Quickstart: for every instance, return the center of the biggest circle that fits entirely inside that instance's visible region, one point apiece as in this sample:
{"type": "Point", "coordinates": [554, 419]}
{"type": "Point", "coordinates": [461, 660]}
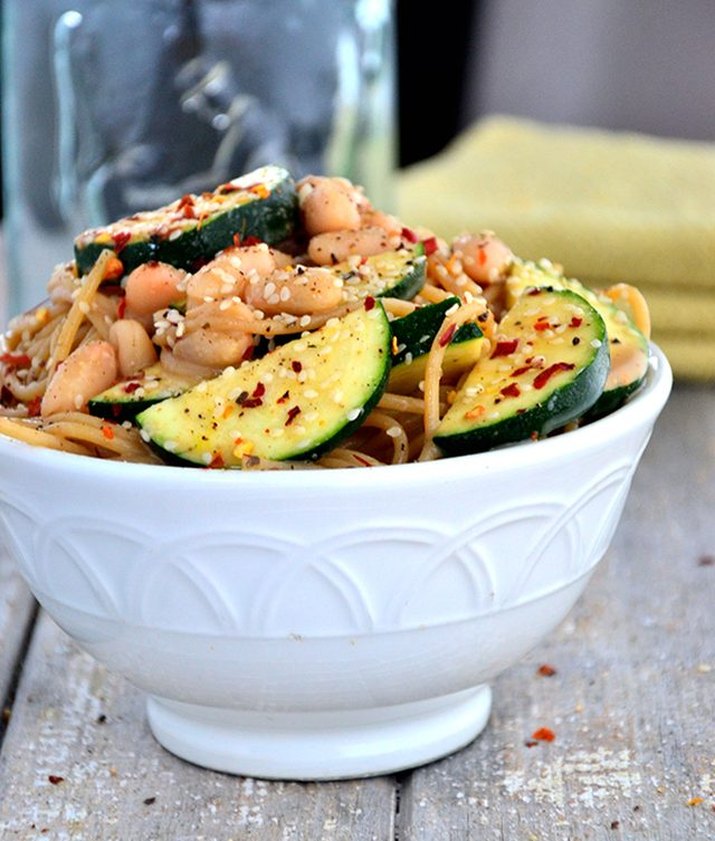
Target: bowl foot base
{"type": "Point", "coordinates": [320, 745]}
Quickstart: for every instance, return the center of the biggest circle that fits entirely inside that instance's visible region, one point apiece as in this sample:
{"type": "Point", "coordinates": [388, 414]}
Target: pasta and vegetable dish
{"type": "Point", "coordinates": [271, 324]}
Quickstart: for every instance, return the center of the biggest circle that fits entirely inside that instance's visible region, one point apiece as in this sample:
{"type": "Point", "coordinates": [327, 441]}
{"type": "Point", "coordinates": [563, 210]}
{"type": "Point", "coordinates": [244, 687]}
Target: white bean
{"type": "Point", "coordinates": [86, 372]}
{"type": "Point", "coordinates": [134, 348]}
{"type": "Point", "coordinates": [334, 247]}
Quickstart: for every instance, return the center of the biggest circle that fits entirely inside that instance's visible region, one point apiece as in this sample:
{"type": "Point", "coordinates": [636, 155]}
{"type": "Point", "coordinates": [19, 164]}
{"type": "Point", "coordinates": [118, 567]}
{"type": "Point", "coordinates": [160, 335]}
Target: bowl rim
{"type": "Point", "coordinates": [641, 409]}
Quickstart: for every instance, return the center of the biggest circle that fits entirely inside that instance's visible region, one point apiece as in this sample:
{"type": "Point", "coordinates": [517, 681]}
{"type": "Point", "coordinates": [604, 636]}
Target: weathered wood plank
{"type": "Point", "coordinates": [16, 610]}
{"type": "Point", "coordinates": [631, 703]}
{"type": "Point", "coordinates": [118, 783]}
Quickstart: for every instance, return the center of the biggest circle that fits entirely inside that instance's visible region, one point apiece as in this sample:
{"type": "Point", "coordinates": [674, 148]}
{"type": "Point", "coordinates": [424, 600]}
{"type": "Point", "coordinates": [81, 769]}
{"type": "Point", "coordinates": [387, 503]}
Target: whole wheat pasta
{"type": "Point", "coordinates": [81, 309]}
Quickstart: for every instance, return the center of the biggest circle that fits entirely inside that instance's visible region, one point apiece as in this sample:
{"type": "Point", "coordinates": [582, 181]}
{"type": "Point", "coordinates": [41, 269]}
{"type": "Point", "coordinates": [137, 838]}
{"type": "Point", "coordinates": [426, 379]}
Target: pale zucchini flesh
{"type": "Point", "coordinates": [547, 367]}
{"type": "Point", "coordinates": [296, 402]}
{"type": "Point", "coordinates": [127, 398]}
{"type": "Point", "coordinates": [191, 230]}
{"type": "Point", "coordinates": [628, 347]}
{"type": "Point", "coordinates": [413, 335]}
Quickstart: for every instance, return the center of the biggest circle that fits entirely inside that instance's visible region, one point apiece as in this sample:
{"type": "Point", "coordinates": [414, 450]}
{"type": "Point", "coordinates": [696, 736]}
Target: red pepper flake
{"type": "Point", "coordinates": [409, 235]}
{"type": "Point", "coordinates": [544, 376]}
{"type": "Point", "coordinates": [296, 366]}
{"type": "Point", "coordinates": [121, 308]}
{"type": "Point", "coordinates": [447, 336]}
{"type": "Point", "coordinates": [187, 200]}
{"type": "Point", "coordinates": [505, 347]}
{"type": "Point", "coordinates": [481, 255]}
{"type": "Point", "coordinates": [284, 397]}
{"type": "Point", "coordinates": [130, 388]}
{"type": "Point", "coordinates": [361, 460]}
{"type": "Point", "coordinates": [120, 240]}
{"type": "Point", "coordinates": [575, 321]}
{"type": "Point", "coordinates": [369, 303]}
{"type": "Point", "coordinates": [107, 431]}
{"type": "Point", "coordinates": [33, 407]}
{"type": "Point", "coordinates": [517, 372]}
{"type": "Point", "coordinates": [245, 242]}
{"type": "Point", "coordinates": [543, 323]}
{"type": "Point", "coordinates": [429, 245]}
{"type": "Point", "coordinates": [511, 390]}
{"type": "Point", "coordinates": [545, 670]}
{"type": "Point", "coordinates": [255, 400]}
{"type": "Point", "coordinates": [216, 461]}
{"type": "Point", "coordinates": [292, 415]}
{"type": "Point", "coordinates": [55, 779]}
{"type": "Point", "coordinates": [544, 734]}
{"type": "Point", "coordinates": [534, 290]}
{"type": "Point", "coordinates": [16, 360]}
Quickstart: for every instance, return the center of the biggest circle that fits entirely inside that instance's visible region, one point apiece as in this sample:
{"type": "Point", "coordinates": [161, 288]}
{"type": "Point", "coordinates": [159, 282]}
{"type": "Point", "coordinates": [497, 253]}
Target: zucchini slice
{"type": "Point", "coordinates": [628, 347]}
{"type": "Point", "coordinates": [262, 204]}
{"type": "Point", "coordinates": [413, 335]}
{"type": "Point", "coordinates": [392, 274]}
{"type": "Point", "coordinates": [547, 367]}
{"type": "Point", "coordinates": [126, 399]}
{"type": "Point", "coordinates": [296, 402]}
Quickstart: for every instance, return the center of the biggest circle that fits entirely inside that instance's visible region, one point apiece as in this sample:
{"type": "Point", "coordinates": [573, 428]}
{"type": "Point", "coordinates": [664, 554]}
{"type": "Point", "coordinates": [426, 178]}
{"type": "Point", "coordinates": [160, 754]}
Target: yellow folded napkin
{"type": "Point", "coordinates": [610, 207]}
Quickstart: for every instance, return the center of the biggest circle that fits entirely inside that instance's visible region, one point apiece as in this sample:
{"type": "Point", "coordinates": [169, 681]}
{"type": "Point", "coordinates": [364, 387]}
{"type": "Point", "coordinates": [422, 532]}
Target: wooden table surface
{"type": "Point", "coordinates": [631, 705]}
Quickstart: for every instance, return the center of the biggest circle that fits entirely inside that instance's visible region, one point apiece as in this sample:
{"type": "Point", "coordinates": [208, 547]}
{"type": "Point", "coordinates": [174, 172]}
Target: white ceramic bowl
{"type": "Point", "coordinates": [322, 624]}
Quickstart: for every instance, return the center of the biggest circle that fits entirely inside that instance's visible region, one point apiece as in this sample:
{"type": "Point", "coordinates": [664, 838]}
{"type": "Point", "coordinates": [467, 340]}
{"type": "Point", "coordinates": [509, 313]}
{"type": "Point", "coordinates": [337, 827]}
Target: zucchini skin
{"type": "Point", "coordinates": [559, 403]}
{"type": "Point", "coordinates": [271, 218]}
{"type": "Point", "coordinates": [394, 274]}
{"type": "Point", "coordinates": [413, 335]}
{"type": "Point", "coordinates": [125, 400]}
{"type": "Point", "coordinates": [620, 329]}
{"type": "Point", "coordinates": [257, 410]}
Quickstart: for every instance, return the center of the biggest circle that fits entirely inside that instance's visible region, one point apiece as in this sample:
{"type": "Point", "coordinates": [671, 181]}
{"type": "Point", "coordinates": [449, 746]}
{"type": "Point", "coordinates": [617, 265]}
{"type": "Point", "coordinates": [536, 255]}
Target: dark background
{"type": "Point", "coordinates": [433, 63]}
{"type": "Point", "coordinates": [638, 65]}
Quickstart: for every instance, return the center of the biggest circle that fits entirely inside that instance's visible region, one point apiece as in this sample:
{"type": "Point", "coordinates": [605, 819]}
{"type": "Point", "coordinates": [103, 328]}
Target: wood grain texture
{"type": "Point", "coordinates": [16, 611]}
{"type": "Point", "coordinates": [632, 699]}
{"type": "Point", "coordinates": [73, 720]}
{"type": "Point", "coordinates": [630, 704]}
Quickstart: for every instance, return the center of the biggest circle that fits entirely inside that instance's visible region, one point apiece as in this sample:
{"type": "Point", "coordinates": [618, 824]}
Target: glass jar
{"type": "Point", "coordinates": [113, 107]}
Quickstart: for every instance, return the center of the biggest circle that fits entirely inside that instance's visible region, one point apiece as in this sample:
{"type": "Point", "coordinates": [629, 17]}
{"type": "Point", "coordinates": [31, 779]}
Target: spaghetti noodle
{"type": "Point", "coordinates": [76, 319]}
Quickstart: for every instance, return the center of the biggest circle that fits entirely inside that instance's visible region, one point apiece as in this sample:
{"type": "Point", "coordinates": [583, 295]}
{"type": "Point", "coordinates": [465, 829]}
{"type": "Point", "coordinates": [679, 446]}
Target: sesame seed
{"type": "Point", "coordinates": [354, 414]}
{"type": "Point", "coordinates": [393, 431]}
